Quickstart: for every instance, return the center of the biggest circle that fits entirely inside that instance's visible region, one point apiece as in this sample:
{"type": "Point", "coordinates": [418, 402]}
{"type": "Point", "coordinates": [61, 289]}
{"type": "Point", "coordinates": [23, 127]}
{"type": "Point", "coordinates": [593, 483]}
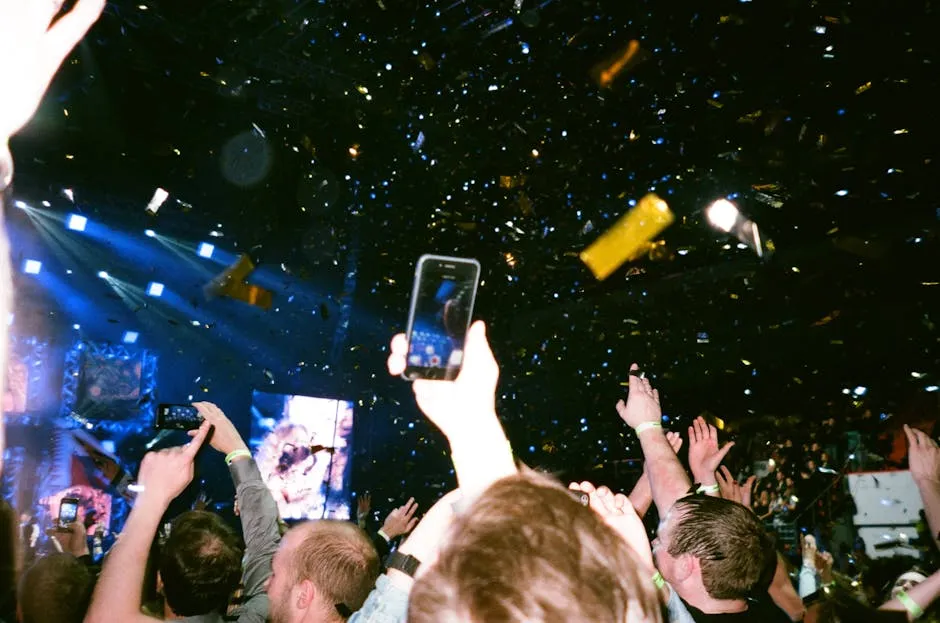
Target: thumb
{"type": "Point", "coordinates": [724, 451]}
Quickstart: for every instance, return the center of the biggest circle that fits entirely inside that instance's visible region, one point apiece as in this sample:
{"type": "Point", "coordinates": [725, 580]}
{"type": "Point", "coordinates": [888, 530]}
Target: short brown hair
{"type": "Point", "coordinates": [737, 556]}
{"type": "Point", "coordinates": [339, 559]}
{"type": "Point", "coordinates": [528, 551]}
{"type": "Point", "coordinates": [56, 589]}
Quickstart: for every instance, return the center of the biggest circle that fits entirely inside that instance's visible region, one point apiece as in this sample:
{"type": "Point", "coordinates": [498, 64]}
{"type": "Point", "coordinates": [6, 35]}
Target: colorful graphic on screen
{"type": "Point", "coordinates": [440, 322]}
{"type": "Point", "coordinates": [303, 447]}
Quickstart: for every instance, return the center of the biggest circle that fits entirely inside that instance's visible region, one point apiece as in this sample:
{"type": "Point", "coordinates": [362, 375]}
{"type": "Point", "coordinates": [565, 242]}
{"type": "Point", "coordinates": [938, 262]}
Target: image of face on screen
{"type": "Point", "coordinates": [303, 456]}
{"type": "Point", "coordinates": [440, 322]}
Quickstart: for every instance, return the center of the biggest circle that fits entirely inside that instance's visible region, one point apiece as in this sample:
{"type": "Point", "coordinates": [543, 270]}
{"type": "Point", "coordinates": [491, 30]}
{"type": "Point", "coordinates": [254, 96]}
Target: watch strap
{"type": "Point", "coordinates": [403, 562]}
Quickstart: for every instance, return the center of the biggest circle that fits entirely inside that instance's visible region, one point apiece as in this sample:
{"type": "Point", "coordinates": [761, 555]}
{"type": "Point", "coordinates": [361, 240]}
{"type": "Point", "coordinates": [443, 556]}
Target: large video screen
{"type": "Point", "coordinates": [303, 447]}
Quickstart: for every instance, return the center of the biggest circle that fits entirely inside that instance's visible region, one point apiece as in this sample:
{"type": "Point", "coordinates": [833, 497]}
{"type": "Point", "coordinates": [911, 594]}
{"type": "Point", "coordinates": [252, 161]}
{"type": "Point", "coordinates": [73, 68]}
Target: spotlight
{"type": "Point", "coordinates": [722, 214]}
{"type": "Point", "coordinates": [130, 337]}
{"type": "Point", "coordinates": [159, 196]}
{"type": "Point", "coordinates": [150, 233]}
{"type": "Point", "coordinates": [725, 216]}
{"type": "Point", "coordinates": [155, 289]}
{"type": "Point", "coordinates": [32, 267]}
{"type": "Point", "coordinates": [102, 274]}
{"type": "Point", "coordinates": [76, 222]}
{"type": "Point", "coordinates": [206, 250]}
{"type": "Point", "coordinates": [77, 327]}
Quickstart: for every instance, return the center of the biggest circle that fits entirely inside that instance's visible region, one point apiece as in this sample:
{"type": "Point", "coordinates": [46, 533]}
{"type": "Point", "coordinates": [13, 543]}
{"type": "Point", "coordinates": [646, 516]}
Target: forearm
{"type": "Point", "coordinates": [930, 494]}
{"type": "Point", "coordinates": [924, 594]}
{"type": "Point", "coordinates": [642, 495]}
{"type": "Point", "coordinates": [481, 456]}
{"type": "Point", "coordinates": [668, 479]}
{"type": "Point", "coordinates": [117, 596]}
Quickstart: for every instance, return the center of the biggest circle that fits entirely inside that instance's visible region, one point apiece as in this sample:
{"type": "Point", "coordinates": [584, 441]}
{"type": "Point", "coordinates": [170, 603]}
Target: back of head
{"type": "Point", "coordinates": [56, 589]}
{"type": "Point", "coordinates": [338, 558]}
{"type": "Point", "coordinates": [736, 554]}
{"type": "Point", "coordinates": [526, 550]}
{"type": "Point", "coordinates": [201, 564]}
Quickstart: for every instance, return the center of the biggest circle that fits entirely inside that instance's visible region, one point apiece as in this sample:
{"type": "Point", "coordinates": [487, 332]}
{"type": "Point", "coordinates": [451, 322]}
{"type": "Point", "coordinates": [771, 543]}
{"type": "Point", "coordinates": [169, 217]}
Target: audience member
{"type": "Point", "coordinates": [56, 589]}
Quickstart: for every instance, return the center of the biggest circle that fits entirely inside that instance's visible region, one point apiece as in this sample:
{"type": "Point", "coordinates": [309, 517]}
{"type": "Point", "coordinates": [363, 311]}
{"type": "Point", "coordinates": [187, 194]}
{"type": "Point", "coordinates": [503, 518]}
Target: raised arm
{"type": "Point", "coordinates": [917, 599]}
{"type": "Point", "coordinates": [31, 50]}
{"type": "Point", "coordinates": [704, 454]}
{"type": "Point", "coordinates": [642, 413]}
{"type": "Point", "coordinates": [163, 476]}
{"type": "Point", "coordinates": [641, 497]}
{"type": "Point", "coordinates": [923, 456]}
{"type": "Point", "coordinates": [257, 511]}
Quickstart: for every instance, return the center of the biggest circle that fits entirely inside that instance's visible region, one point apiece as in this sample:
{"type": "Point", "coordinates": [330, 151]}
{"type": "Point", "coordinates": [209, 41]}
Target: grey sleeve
{"type": "Point", "coordinates": [676, 609]}
{"type": "Point", "coordinates": [259, 526]}
{"type": "Point", "coordinates": [386, 604]}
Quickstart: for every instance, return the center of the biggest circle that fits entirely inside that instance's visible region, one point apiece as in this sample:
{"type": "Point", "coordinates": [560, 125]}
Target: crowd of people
{"type": "Point", "coordinates": [508, 544]}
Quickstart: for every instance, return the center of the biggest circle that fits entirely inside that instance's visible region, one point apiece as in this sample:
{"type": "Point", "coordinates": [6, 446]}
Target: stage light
{"type": "Point", "coordinates": [76, 326]}
{"type": "Point", "coordinates": [159, 196]}
{"type": "Point", "coordinates": [150, 233]}
{"type": "Point", "coordinates": [130, 337]}
{"type": "Point", "coordinates": [155, 289]}
{"type": "Point", "coordinates": [102, 274]}
{"type": "Point", "coordinates": [76, 222]}
{"type": "Point", "coordinates": [722, 214]}
{"type": "Point", "coordinates": [32, 267]}
{"type": "Point", "coordinates": [206, 250]}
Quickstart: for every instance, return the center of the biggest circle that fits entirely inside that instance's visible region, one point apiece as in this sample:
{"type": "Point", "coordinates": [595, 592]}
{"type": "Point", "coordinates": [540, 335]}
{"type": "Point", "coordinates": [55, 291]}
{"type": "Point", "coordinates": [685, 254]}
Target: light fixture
{"type": "Point", "coordinates": [32, 267]}
{"type": "Point", "coordinates": [722, 214]}
{"type": "Point", "coordinates": [103, 275]}
{"type": "Point", "coordinates": [130, 337]}
{"type": "Point", "coordinates": [206, 250]}
{"type": "Point", "coordinates": [150, 233]}
{"type": "Point", "coordinates": [76, 222]}
{"type": "Point", "coordinates": [155, 289]}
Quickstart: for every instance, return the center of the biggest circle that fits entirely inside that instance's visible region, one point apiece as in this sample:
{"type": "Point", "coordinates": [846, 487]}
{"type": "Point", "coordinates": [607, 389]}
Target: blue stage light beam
{"type": "Point", "coordinates": [130, 337]}
{"type": "Point", "coordinates": [76, 222]}
{"type": "Point", "coordinates": [155, 289]}
{"type": "Point", "coordinates": [103, 274]}
{"type": "Point", "coordinates": [32, 267]}
{"type": "Point", "coordinates": [206, 250]}
{"type": "Point", "coordinates": [150, 233]}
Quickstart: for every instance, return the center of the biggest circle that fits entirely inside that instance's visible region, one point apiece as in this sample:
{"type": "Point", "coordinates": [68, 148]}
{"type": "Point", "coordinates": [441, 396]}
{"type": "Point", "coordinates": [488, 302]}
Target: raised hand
{"type": "Point", "coordinates": [619, 514]}
{"type": "Point", "coordinates": [731, 490]}
{"type": "Point", "coordinates": [165, 474]}
{"type": "Point", "coordinates": [704, 454]}
{"type": "Point", "coordinates": [642, 403]}
{"type": "Point", "coordinates": [401, 521]}
{"type": "Point", "coordinates": [460, 406]}
{"type": "Point", "coordinates": [31, 50]}
{"type": "Point", "coordinates": [923, 455]}
{"type": "Point", "coordinates": [364, 505]}
{"type": "Point", "coordinates": [225, 437]}
{"type": "Point", "coordinates": [808, 545]}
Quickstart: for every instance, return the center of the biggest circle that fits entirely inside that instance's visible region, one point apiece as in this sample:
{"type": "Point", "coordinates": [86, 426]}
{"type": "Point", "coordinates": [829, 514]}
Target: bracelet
{"type": "Point", "coordinates": [706, 489]}
{"type": "Point", "coordinates": [234, 454]}
{"type": "Point", "coordinates": [387, 538]}
{"type": "Point", "coordinates": [911, 605]}
{"type": "Point", "coordinates": [658, 580]}
{"type": "Point", "coordinates": [642, 426]}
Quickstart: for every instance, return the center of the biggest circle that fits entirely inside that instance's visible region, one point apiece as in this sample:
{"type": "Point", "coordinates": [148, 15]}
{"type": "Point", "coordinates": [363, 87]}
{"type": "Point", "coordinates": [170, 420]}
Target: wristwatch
{"type": "Point", "coordinates": [403, 562]}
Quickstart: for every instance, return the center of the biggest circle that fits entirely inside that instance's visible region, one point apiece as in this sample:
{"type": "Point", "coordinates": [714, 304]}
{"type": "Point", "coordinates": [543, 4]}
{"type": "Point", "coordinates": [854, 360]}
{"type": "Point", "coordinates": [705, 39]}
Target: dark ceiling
{"type": "Point", "coordinates": [818, 117]}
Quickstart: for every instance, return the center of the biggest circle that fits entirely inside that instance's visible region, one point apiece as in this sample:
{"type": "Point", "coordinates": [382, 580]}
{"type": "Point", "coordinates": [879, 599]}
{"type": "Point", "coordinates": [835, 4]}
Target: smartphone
{"type": "Point", "coordinates": [68, 512]}
{"type": "Point", "coordinates": [177, 417]}
{"type": "Point", "coordinates": [441, 308]}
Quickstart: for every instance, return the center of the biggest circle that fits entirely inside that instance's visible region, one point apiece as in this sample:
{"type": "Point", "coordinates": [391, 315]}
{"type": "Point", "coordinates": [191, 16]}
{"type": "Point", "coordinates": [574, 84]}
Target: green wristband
{"type": "Point", "coordinates": [911, 605]}
{"type": "Point", "coordinates": [234, 454]}
{"type": "Point", "coordinates": [659, 580]}
{"type": "Point", "coordinates": [642, 426]}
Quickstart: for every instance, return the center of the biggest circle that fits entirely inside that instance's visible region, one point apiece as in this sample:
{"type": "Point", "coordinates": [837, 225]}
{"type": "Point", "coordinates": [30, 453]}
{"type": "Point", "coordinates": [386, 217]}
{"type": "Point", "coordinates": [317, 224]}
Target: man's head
{"type": "Point", "coordinates": [716, 544]}
{"type": "Point", "coordinates": [201, 564]}
{"type": "Point", "coordinates": [526, 550]}
{"type": "Point", "coordinates": [322, 571]}
{"type": "Point", "coordinates": [56, 589]}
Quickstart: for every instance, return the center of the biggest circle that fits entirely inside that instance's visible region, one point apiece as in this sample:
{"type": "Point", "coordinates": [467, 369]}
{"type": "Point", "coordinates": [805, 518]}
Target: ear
{"type": "Point", "coordinates": [306, 594]}
{"type": "Point", "coordinates": [686, 566]}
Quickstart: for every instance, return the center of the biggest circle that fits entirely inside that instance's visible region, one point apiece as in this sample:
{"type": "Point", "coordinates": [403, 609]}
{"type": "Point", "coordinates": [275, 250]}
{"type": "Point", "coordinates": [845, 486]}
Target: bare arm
{"type": "Point", "coordinates": [924, 461]}
{"type": "Point", "coordinates": [668, 479]}
{"type": "Point", "coordinates": [642, 495]}
{"type": "Point", "coordinates": [924, 594]}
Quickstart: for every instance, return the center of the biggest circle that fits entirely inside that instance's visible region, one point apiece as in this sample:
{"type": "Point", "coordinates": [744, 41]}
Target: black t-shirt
{"type": "Point", "coordinates": [762, 611]}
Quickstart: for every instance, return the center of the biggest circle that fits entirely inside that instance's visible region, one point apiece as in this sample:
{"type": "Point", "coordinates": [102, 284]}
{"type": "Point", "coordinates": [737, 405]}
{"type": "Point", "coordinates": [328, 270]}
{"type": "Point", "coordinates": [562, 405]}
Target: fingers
{"type": "Point", "coordinates": [724, 451]}
{"type": "Point", "coordinates": [749, 483]}
{"type": "Point", "coordinates": [724, 476]}
{"type": "Point", "coordinates": [656, 395]}
{"type": "Point", "coordinates": [397, 358]}
{"type": "Point", "coordinates": [477, 347]}
{"type": "Point", "coordinates": [411, 525]}
{"type": "Point", "coordinates": [408, 510]}
{"type": "Point", "coordinates": [193, 446]}
{"type": "Point", "coordinates": [69, 30]}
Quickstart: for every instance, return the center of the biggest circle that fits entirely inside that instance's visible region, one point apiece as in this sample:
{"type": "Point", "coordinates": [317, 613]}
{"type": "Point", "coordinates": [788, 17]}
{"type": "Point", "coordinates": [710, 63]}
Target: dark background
{"type": "Point", "coordinates": [734, 99]}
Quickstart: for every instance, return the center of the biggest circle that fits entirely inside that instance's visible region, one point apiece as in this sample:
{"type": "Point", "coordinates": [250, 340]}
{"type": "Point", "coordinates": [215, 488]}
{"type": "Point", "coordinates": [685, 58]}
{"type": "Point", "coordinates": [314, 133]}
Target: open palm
{"type": "Point", "coordinates": [704, 453]}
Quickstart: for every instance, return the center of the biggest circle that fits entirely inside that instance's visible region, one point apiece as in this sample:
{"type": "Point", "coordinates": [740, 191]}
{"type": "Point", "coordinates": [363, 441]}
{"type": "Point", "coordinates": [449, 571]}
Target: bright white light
{"type": "Point", "coordinates": [76, 222]}
{"type": "Point", "coordinates": [159, 196]}
{"type": "Point", "coordinates": [130, 337]}
{"type": "Point", "coordinates": [32, 267]}
{"type": "Point", "coordinates": [76, 326]}
{"type": "Point", "coordinates": [150, 233]}
{"type": "Point", "coordinates": [931, 388]}
{"type": "Point", "coordinates": [21, 204]}
{"type": "Point", "coordinates": [104, 275]}
{"type": "Point", "coordinates": [722, 214]}
{"type": "Point", "coordinates": [861, 391]}
{"type": "Point", "coordinates": [206, 250]}
{"type": "Point", "coordinates": [155, 289]}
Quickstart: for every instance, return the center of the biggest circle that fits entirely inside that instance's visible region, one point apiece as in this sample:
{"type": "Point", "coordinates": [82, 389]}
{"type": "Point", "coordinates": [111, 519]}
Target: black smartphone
{"type": "Point", "coordinates": [68, 512]}
{"type": "Point", "coordinates": [177, 417]}
{"type": "Point", "coordinates": [441, 308]}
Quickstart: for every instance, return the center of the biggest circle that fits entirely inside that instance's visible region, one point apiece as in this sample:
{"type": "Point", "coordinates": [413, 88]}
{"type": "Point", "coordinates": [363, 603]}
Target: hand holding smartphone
{"type": "Point", "coordinates": [68, 513]}
{"type": "Point", "coordinates": [442, 301]}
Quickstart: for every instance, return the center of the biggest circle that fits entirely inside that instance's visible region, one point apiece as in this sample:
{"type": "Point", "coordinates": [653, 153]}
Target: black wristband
{"type": "Point", "coordinates": [403, 562]}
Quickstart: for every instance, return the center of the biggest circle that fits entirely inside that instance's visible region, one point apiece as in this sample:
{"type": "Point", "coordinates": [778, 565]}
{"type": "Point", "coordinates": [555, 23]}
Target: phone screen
{"type": "Point", "coordinates": [68, 511]}
{"type": "Point", "coordinates": [178, 417]}
{"type": "Point", "coordinates": [441, 308]}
